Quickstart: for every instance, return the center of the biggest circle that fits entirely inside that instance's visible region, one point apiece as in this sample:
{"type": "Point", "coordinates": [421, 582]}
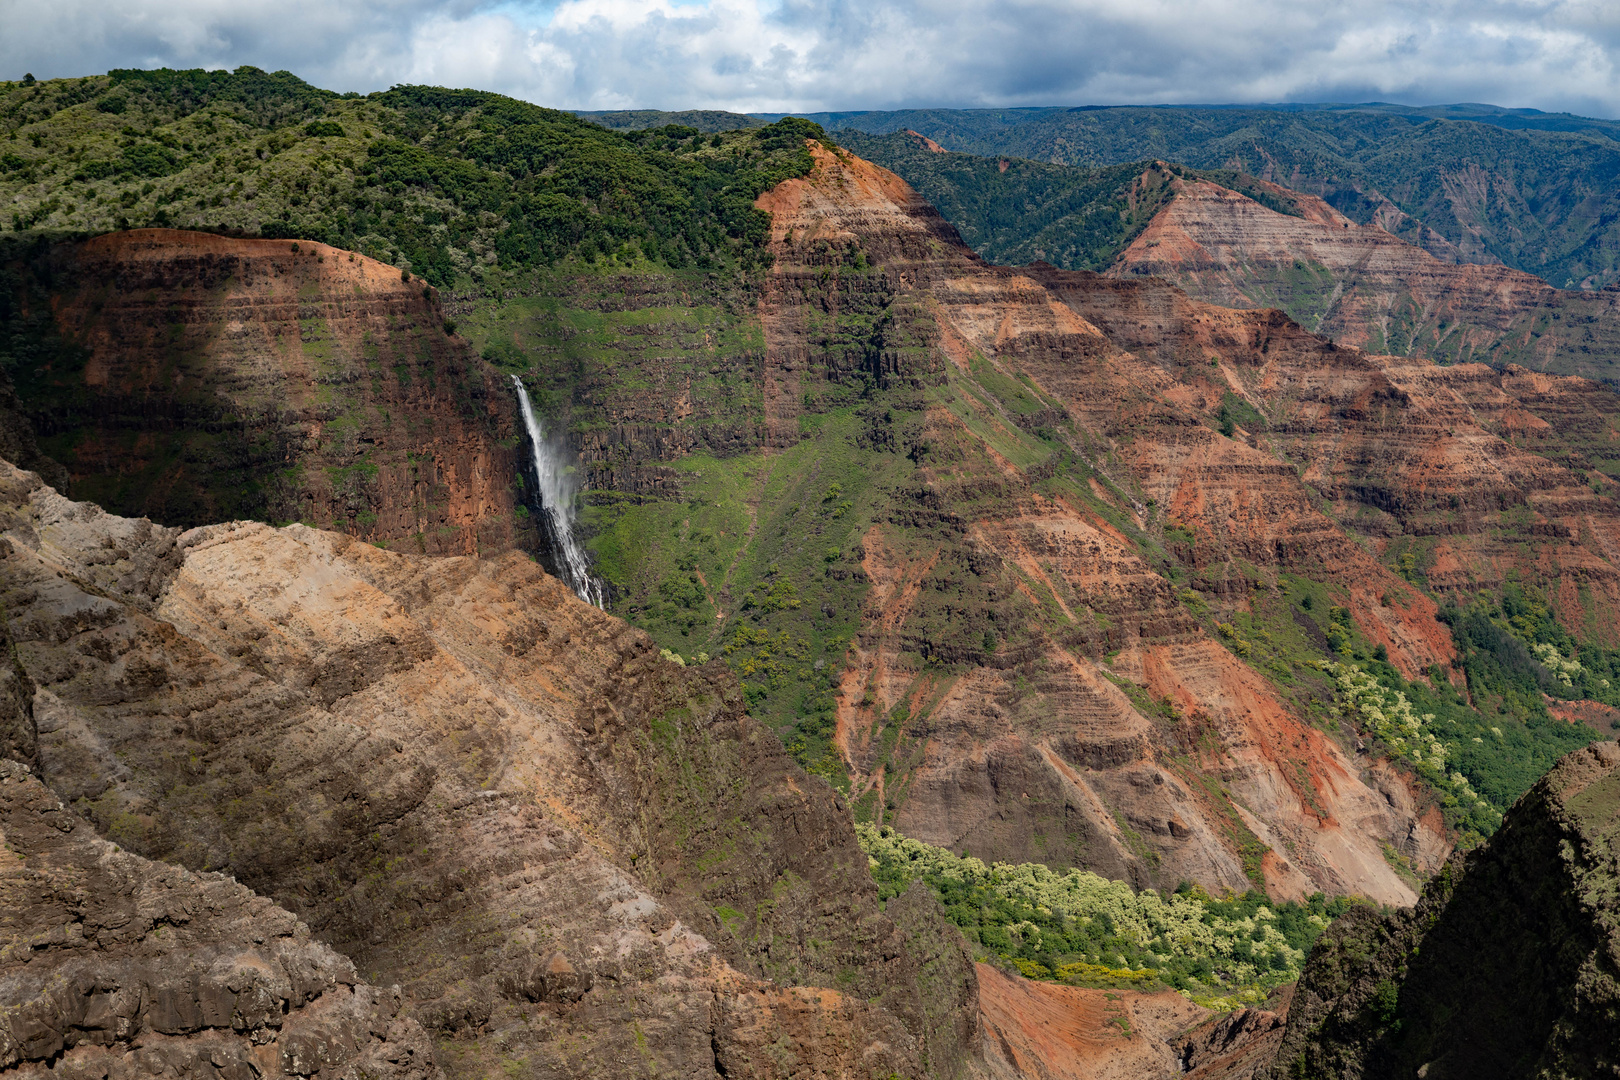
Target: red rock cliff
{"type": "Point", "coordinates": [213, 378]}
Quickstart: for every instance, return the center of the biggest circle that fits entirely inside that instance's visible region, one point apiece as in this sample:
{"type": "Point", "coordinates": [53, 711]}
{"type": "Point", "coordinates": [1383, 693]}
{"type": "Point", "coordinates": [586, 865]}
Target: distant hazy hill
{"type": "Point", "coordinates": [1537, 191]}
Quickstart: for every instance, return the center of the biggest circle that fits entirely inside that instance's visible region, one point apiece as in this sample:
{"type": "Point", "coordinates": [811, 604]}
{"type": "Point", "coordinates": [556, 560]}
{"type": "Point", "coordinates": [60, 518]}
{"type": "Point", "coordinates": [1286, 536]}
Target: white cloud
{"type": "Point", "coordinates": [804, 55]}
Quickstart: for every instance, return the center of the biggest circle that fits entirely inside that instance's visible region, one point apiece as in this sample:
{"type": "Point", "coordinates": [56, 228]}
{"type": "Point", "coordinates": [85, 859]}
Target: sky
{"type": "Point", "coordinates": [800, 56]}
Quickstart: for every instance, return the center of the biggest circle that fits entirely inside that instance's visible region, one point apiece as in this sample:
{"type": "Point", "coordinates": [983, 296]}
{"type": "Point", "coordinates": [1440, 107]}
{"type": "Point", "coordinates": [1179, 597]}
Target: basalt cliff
{"type": "Point", "coordinates": [1360, 285]}
{"type": "Point", "coordinates": [195, 378]}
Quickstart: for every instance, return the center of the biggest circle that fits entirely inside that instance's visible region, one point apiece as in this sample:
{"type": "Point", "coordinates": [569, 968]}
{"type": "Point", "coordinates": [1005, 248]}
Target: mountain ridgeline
{"type": "Point", "coordinates": [1469, 183]}
{"type": "Point", "coordinates": [1209, 625]}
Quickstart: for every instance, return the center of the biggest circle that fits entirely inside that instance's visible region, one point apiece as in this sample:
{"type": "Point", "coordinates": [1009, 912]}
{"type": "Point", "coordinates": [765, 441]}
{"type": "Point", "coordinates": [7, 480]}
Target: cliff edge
{"type": "Point", "coordinates": [1509, 965]}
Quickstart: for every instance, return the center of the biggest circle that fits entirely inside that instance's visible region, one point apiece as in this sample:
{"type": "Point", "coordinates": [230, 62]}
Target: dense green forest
{"type": "Point", "coordinates": [447, 183]}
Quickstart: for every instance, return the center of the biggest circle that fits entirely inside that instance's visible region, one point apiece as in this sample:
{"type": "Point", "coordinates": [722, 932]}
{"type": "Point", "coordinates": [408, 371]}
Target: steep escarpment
{"type": "Point", "coordinates": [1477, 476]}
{"type": "Point", "coordinates": [115, 966]}
{"type": "Point", "coordinates": [193, 378]}
{"type": "Point", "coordinates": [928, 584]}
{"type": "Point", "coordinates": [1506, 967]}
{"type": "Point", "coordinates": [575, 856]}
{"type": "Point", "coordinates": [1362, 286]}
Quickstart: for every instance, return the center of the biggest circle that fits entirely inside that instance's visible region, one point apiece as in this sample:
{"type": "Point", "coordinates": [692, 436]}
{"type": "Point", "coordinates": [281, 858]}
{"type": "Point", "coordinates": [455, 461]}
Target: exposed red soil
{"type": "Point", "coordinates": [1045, 1031]}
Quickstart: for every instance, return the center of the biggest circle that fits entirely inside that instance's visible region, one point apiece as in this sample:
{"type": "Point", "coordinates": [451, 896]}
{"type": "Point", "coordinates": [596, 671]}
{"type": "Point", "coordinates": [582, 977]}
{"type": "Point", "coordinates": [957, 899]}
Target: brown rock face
{"type": "Point", "coordinates": [1053, 744]}
{"type": "Point", "coordinates": [208, 378]}
{"type": "Point", "coordinates": [1043, 1031]}
{"type": "Point", "coordinates": [115, 966]}
{"type": "Point", "coordinates": [1361, 286]}
{"type": "Point", "coordinates": [1507, 966]}
{"type": "Point", "coordinates": [577, 858]}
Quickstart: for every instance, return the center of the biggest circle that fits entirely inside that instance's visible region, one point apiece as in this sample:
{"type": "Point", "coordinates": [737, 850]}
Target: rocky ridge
{"type": "Point", "coordinates": [115, 966]}
{"type": "Point", "coordinates": [575, 857]}
{"type": "Point", "coordinates": [1506, 967]}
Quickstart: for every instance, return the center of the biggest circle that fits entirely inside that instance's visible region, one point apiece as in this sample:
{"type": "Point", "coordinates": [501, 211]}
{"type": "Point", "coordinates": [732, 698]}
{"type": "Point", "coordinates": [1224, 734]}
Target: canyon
{"type": "Point", "coordinates": [1036, 565]}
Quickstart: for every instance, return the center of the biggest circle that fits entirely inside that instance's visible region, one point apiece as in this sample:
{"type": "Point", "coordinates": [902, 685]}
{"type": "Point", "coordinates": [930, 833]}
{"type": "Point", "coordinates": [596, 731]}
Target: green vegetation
{"type": "Point", "coordinates": [1081, 929]}
{"type": "Point", "coordinates": [446, 183]}
{"type": "Point", "coordinates": [1547, 185]}
{"type": "Point", "coordinates": [1481, 749]}
{"type": "Point", "coordinates": [1017, 212]}
{"type": "Point", "coordinates": [1477, 748]}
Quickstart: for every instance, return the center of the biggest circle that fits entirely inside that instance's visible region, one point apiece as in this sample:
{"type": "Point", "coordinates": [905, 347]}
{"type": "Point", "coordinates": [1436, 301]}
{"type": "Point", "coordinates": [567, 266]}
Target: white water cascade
{"type": "Point", "coordinates": [559, 483]}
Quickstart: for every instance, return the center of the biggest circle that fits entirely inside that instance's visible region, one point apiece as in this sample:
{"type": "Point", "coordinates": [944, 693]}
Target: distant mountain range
{"type": "Point", "coordinates": [1536, 191]}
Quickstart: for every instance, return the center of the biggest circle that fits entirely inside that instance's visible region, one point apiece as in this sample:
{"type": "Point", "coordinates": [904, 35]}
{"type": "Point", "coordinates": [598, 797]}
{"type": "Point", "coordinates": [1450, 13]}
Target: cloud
{"type": "Point", "coordinates": [810, 55]}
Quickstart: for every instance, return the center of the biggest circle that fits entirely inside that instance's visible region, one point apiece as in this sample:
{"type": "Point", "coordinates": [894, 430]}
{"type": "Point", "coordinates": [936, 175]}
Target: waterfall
{"type": "Point", "coordinates": [559, 483]}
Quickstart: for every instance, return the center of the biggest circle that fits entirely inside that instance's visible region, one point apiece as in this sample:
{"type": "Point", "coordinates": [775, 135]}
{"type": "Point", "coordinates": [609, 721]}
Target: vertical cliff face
{"type": "Point", "coordinates": [195, 378]}
{"type": "Point", "coordinates": [1507, 966]}
{"type": "Point", "coordinates": [575, 856]}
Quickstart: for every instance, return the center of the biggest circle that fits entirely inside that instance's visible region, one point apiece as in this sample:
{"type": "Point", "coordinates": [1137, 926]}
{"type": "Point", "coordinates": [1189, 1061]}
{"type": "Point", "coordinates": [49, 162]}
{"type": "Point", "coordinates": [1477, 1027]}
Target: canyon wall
{"type": "Point", "coordinates": [194, 378]}
{"type": "Point", "coordinates": [574, 856]}
{"type": "Point", "coordinates": [978, 546]}
{"type": "Point", "coordinates": [1362, 286]}
{"type": "Point", "coordinates": [1021, 679]}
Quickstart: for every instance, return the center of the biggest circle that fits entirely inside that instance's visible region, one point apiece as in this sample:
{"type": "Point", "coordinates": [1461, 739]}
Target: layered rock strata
{"type": "Point", "coordinates": [1462, 466]}
{"type": "Point", "coordinates": [1362, 286]}
{"type": "Point", "coordinates": [199, 378]}
{"type": "Point", "coordinates": [1070, 753]}
{"type": "Point", "coordinates": [576, 857]}
{"type": "Point", "coordinates": [115, 966]}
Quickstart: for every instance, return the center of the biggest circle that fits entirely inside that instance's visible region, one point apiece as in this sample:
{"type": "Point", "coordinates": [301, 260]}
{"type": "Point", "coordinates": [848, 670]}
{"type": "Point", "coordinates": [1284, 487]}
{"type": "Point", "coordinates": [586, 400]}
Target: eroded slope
{"type": "Point", "coordinates": [1360, 285]}
{"type": "Point", "coordinates": [576, 857]}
